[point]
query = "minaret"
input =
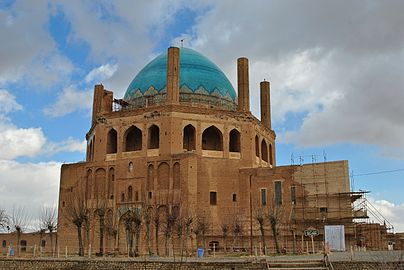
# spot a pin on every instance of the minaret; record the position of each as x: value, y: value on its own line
x: 243, y: 85
x: 265, y: 104
x: 173, y: 76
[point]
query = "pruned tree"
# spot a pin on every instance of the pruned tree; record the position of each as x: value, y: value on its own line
x: 171, y: 216
x: 19, y: 222
x: 132, y: 220
x: 157, y: 223
x: 147, y: 218
x: 274, y: 216
x: 237, y: 231
x: 4, y: 219
x: 201, y: 228
x: 188, y: 221
x: 101, y: 211
x: 76, y: 211
x: 260, y: 217
x: 48, y: 219
x: 225, y: 234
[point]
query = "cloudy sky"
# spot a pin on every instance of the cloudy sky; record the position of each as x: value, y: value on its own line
x: 335, y: 68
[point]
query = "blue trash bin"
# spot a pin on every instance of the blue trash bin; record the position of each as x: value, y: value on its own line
x: 200, y: 252
x: 11, y: 252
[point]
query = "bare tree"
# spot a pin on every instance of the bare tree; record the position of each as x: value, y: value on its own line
x: 225, y: 234
x: 77, y: 212
x: 188, y: 221
x: 132, y: 220
x: 101, y: 211
x: 48, y: 219
x: 4, y: 219
x: 274, y: 217
x: 157, y: 223
x: 201, y: 227
x: 237, y: 231
x: 171, y: 216
x: 19, y: 222
x: 260, y: 217
x: 147, y: 217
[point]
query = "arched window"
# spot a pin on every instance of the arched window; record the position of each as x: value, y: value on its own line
x: 99, y: 184
x: 150, y: 177
x: 264, y: 151
x: 271, y: 159
x: 89, y: 184
x: 212, y: 139
x: 176, y: 176
x: 4, y: 244
x: 112, y: 139
x: 111, y: 180
x: 130, y: 193
x: 257, y: 146
x: 133, y: 139
x: 130, y: 167
x: 154, y: 137
x: 234, y: 141
x: 163, y: 176
x: 90, y: 151
x: 122, y: 197
x: 188, y: 142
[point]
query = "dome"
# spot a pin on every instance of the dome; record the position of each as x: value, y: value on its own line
x: 201, y: 81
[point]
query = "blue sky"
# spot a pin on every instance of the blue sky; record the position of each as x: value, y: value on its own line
x: 335, y: 71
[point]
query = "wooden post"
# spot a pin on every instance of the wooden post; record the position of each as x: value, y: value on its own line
x: 66, y: 251
x: 312, y: 243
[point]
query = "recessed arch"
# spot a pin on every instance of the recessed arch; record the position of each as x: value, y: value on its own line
x: 234, y: 141
x: 264, y: 150
x: 189, y: 140
x: 150, y: 177
x: 153, y: 141
x: 89, y: 183
x: 133, y: 139
x: 111, y: 180
x: 271, y: 159
x: 212, y: 139
x: 257, y: 146
x: 112, y: 139
x: 99, y: 184
x: 176, y: 176
x: 130, y: 193
x: 163, y: 176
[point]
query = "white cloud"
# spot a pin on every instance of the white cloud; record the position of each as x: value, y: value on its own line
x: 68, y: 101
x: 27, y: 51
x: 18, y: 142
x: 101, y: 73
x: 20, y: 181
x: 69, y: 145
x: 8, y: 102
x: 394, y: 213
x: 338, y: 63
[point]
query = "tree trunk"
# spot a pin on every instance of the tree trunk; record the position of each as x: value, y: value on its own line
x: 51, y: 241
x: 156, y: 235
x: 275, y: 234
x: 80, y: 238
x: 102, y: 229
x: 263, y: 239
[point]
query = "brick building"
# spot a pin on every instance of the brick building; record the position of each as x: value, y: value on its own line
x: 182, y: 146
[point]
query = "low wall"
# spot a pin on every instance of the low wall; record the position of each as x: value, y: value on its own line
x: 100, y: 264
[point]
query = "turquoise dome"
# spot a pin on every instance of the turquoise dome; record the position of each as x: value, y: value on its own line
x: 198, y: 75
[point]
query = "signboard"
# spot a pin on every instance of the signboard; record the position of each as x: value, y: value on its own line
x: 311, y: 232
x: 335, y: 237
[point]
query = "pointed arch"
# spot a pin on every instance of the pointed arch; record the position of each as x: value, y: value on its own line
x: 271, y: 157
x: 112, y: 139
x: 133, y: 139
x: 89, y: 183
x: 99, y: 184
x: 212, y: 139
x: 176, y: 176
x: 234, y: 141
x: 150, y: 177
x: 163, y: 176
x: 111, y: 181
x: 264, y: 150
x: 130, y: 193
x: 257, y: 146
x: 153, y: 141
x: 189, y: 138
